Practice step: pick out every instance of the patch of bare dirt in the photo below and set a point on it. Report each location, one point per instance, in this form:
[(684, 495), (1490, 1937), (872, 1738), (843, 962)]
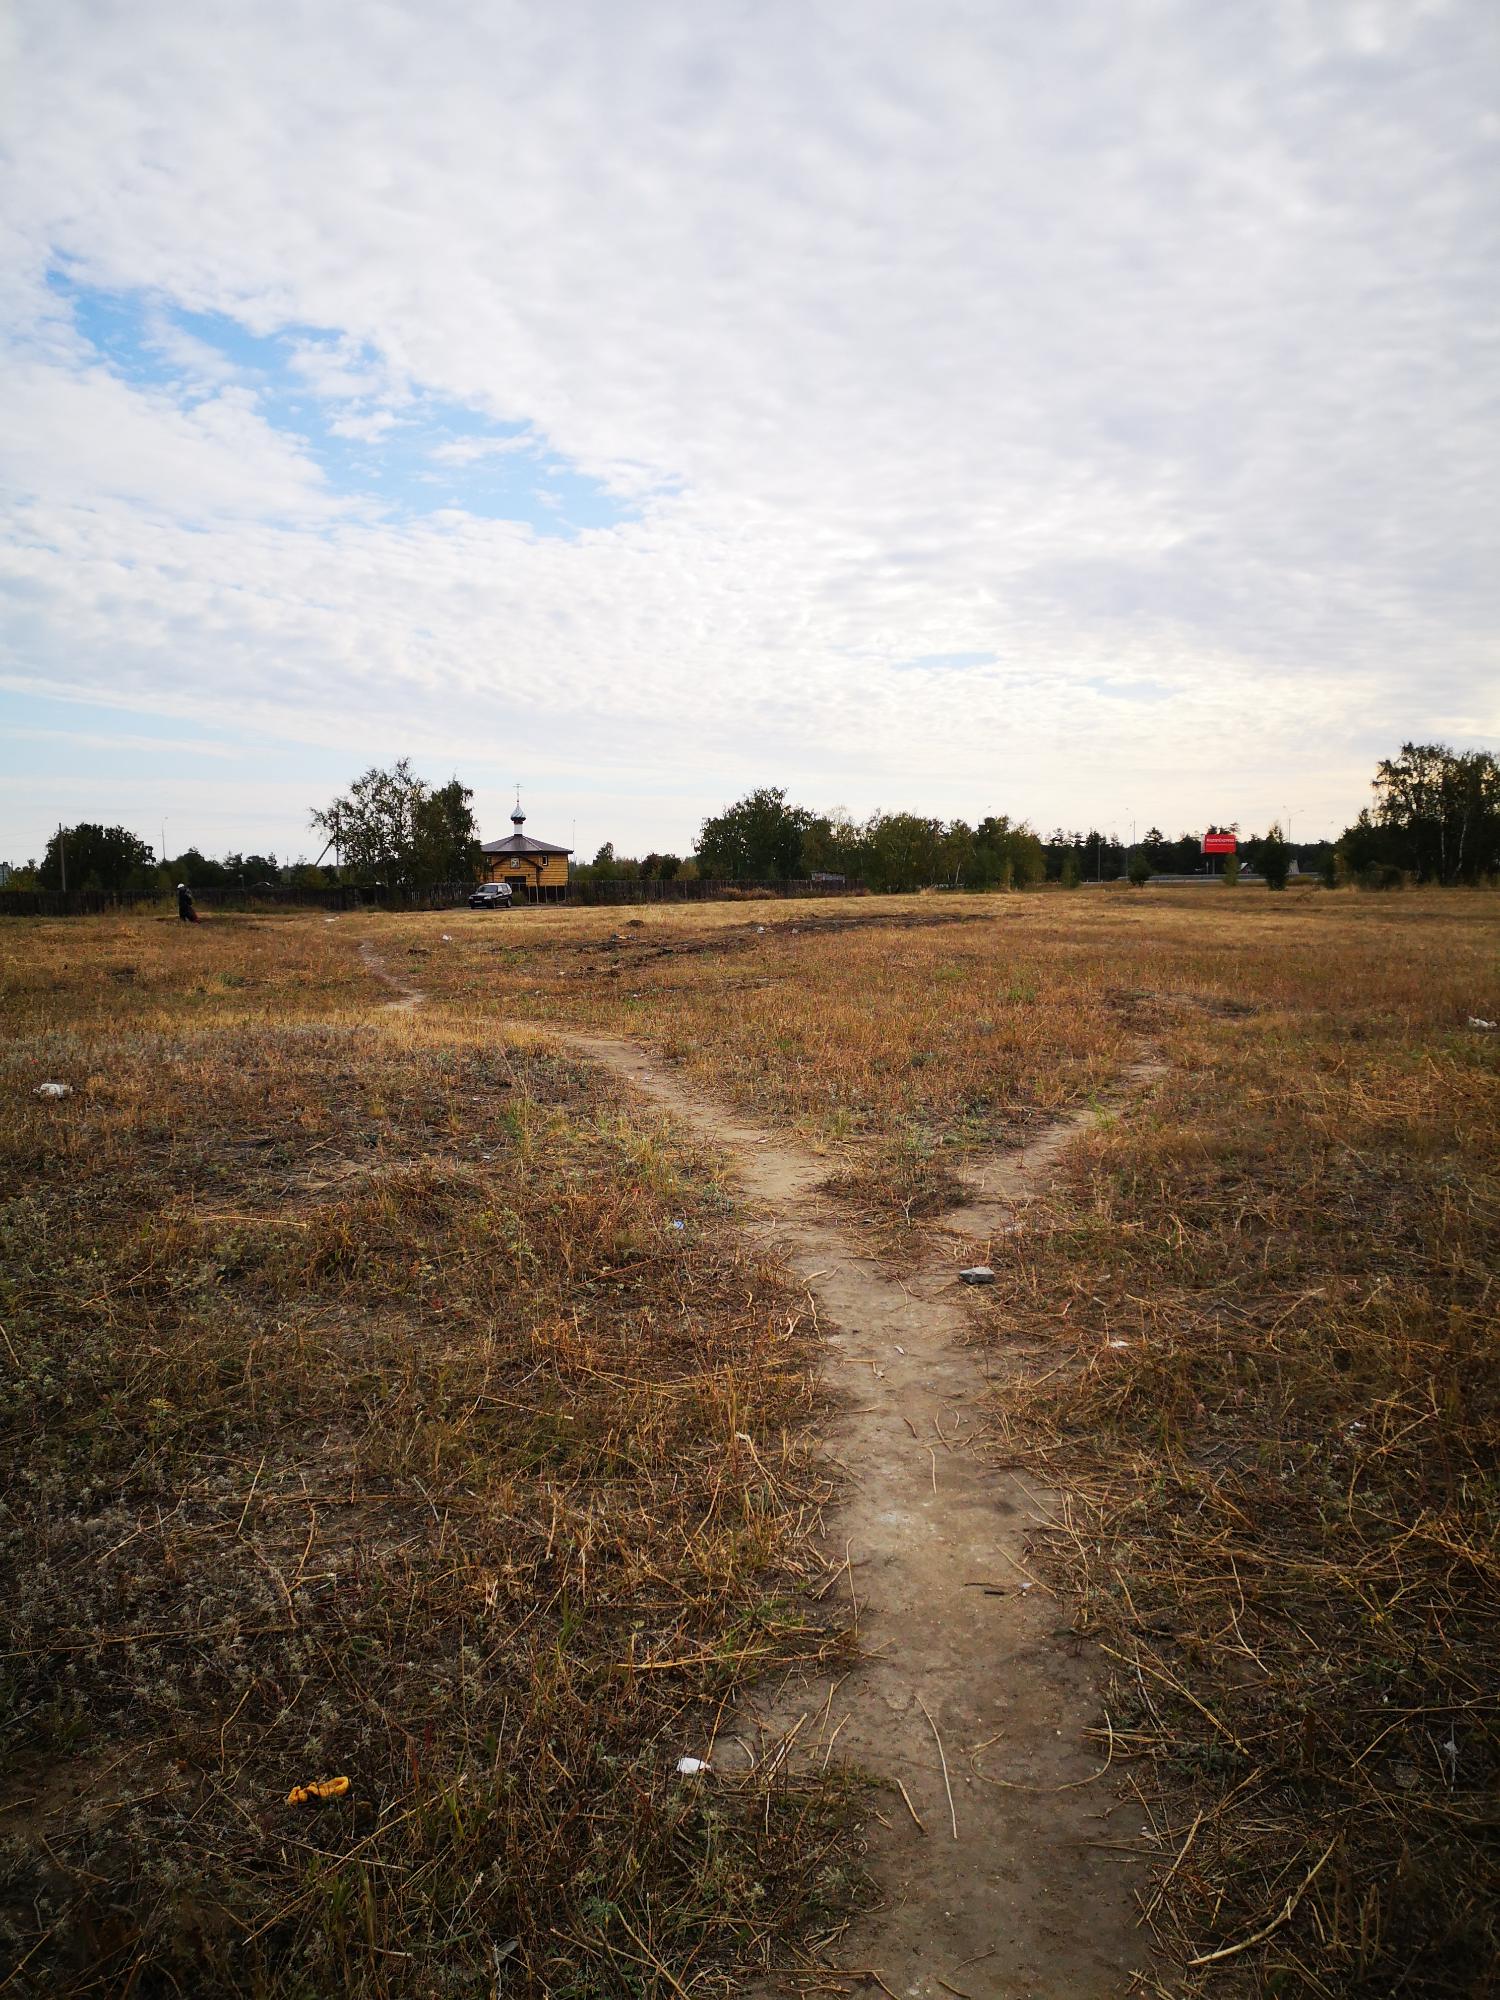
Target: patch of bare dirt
[(633, 944)]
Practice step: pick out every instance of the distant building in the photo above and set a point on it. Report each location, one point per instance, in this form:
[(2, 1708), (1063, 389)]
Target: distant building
[(536, 871)]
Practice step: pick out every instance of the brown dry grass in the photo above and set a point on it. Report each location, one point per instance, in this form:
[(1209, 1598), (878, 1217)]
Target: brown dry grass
[(896, 1036), (1284, 1511), (1253, 1333), (1277, 1411), (379, 1402)]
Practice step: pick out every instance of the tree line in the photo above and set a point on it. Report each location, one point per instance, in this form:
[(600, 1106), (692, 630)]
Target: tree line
[(763, 837), (390, 829), (113, 861), (1434, 817)]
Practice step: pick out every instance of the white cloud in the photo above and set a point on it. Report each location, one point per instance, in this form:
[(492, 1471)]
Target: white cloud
[(341, 371), (82, 450), (1124, 343), (366, 428), (473, 450), (197, 363)]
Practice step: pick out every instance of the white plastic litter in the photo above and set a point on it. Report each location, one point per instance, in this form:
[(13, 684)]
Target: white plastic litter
[(446, 938), (54, 1090), (1475, 1022), (693, 1767), (677, 1223)]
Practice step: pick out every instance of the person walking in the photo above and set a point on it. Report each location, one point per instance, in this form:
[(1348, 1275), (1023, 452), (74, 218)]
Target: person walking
[(185, 910)]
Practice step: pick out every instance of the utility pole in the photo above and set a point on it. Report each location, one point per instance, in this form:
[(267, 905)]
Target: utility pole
[(62, 856)]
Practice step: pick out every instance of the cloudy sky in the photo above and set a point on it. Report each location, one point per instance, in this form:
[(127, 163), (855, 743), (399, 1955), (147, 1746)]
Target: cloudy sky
[(1082, 410)]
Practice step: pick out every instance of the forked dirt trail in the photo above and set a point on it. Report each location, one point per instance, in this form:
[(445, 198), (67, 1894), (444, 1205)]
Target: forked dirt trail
[(966, 1662), (970, 1696)]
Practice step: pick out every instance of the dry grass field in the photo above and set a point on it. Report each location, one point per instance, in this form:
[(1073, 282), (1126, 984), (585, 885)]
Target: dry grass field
[(370, 1415), (380, 1403)]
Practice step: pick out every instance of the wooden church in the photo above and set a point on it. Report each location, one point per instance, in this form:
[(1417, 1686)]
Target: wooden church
[(536, 870)]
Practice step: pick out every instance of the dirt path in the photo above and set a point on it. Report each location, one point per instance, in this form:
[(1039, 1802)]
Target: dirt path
[(965, 1656), (407, 997), (970, 1694)]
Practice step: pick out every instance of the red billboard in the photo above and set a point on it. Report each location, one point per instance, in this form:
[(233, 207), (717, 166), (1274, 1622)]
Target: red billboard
[(1218, 843)]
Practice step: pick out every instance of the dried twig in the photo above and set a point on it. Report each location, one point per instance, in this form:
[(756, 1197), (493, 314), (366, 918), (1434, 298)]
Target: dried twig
[(1284, 1915), (943, 1756), (916, 1816)]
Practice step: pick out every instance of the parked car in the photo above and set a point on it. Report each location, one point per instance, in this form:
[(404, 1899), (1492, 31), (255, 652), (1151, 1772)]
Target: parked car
[(491, 896)]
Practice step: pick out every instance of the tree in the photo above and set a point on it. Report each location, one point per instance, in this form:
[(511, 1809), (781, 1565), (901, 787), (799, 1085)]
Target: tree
[(1366, 847), (247, 871), (955, 852), (1182, 856), (393, 828), (107, 858), (903, 851), (759, 837), (1071, 874), (1442, 809), (1006, 855), (371, 827), (1141, 870), (1275, 858), (833, 844), (197, 870), (445, 840)]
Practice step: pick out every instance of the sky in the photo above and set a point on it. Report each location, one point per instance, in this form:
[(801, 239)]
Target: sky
[(1081, 411)]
